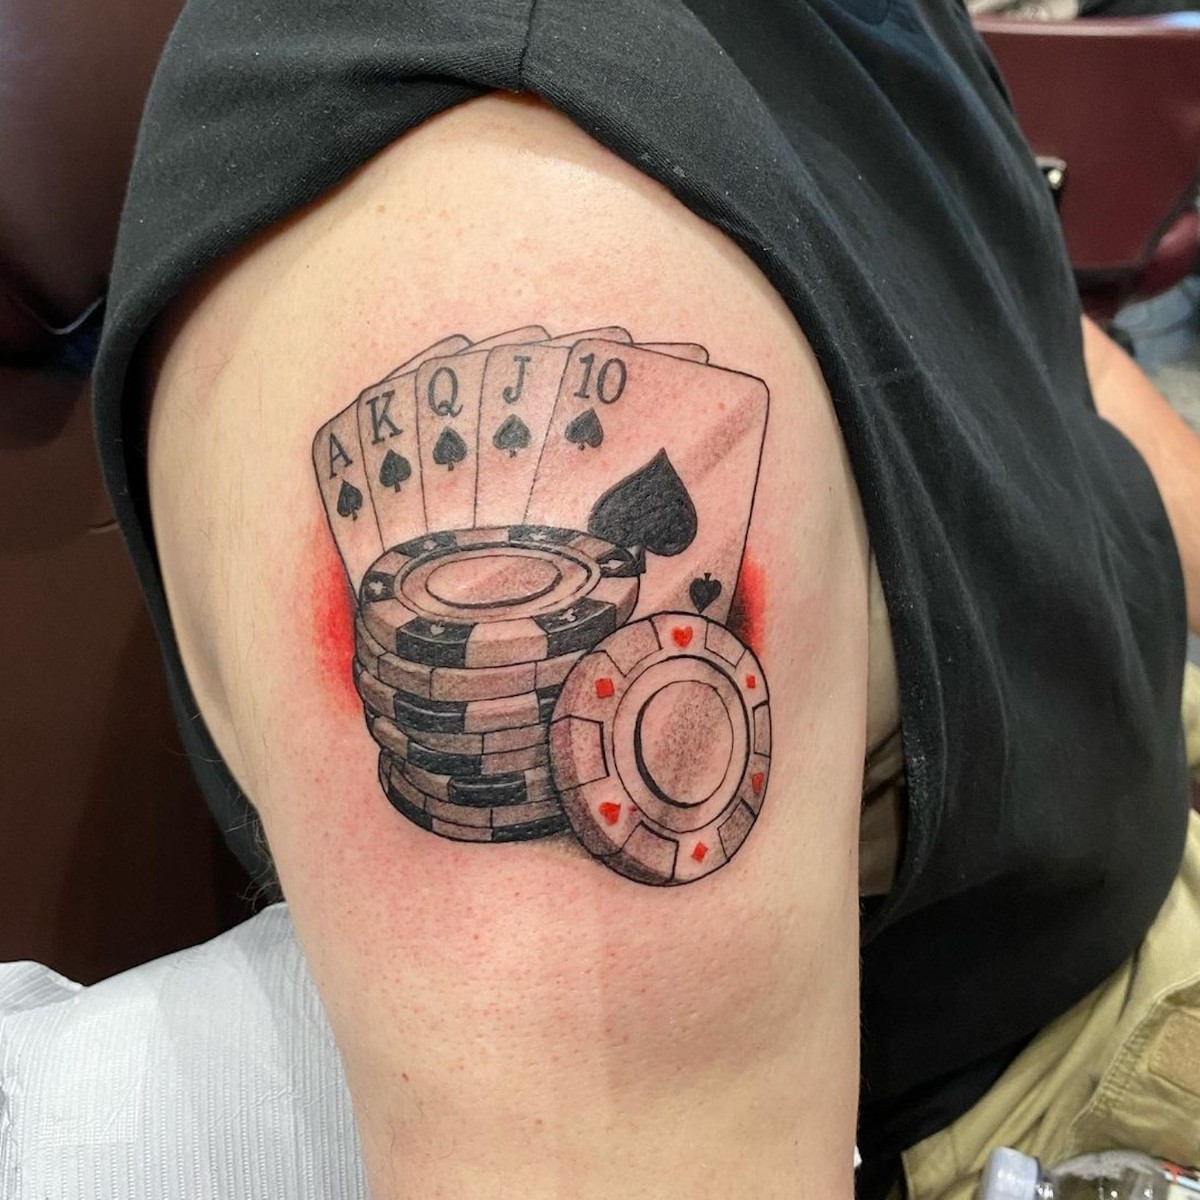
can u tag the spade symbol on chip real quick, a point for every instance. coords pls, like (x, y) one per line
(586, 430)
(650, 508)
(394, 470)
(704, 591)
(513, 435)
(349, 500)
(449, 448)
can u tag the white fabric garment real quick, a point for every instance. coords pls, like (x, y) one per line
(209, 1073)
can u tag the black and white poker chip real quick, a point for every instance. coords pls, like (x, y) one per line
(462, 764)
(660, 746)
(458, 683)
(416, 715)
(481, 791)
(520, 821)
(391, 737)
(497, 597)
(468, 766)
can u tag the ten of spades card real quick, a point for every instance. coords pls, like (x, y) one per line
(660, 453)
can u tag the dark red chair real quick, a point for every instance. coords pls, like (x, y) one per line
(107, 853)
(1112, 108)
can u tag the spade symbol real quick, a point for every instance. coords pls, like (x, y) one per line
(586, 430)
(704, 591)
(349, 500)
(394, 470)
(650, 508)
(449, 449)
(513, 435)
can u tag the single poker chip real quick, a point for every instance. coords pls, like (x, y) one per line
(522, 822)
(481, 791)
(416, 715)
(391, 737)
(497, 597)
(458, 683)
(661, 748)
(463, 766)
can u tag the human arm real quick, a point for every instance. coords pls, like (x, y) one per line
(519, 1017)
(1130, 401)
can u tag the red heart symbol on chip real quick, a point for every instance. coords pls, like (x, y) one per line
(756, 781)
(610, 811)
(682, 635)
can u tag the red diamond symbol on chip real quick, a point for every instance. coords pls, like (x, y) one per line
(756, 781)
(700, 851)
(752, 681)
(604, 687)
(610, 811)
(682, 635)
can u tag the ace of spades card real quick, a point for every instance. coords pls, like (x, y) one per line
(659, 453)
(342, 477)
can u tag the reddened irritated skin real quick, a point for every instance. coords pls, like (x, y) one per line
(519, 1018)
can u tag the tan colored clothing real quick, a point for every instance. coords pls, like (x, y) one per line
(1120, 1069)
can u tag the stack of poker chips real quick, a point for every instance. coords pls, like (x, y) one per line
(463, 642)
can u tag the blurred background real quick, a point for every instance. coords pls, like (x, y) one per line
(108, 856)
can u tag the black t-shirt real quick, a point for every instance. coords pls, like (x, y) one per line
(863, 154)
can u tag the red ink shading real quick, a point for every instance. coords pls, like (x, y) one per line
(604, 688)
(332, 608)
(748, 609)
(756, 781)
(700, 851)
(751, 681)
(610, 811)
(682, 636)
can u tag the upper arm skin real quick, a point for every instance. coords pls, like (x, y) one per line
(517, 1019)
(1126, 397)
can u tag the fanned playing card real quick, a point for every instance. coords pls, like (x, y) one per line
(690, 350)
(527, 333)
(659, 453)
(341, 475)
(387, 431)
(610, 333)
(520, 387)
(448, 345)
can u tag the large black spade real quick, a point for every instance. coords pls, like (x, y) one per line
(650, 508)
(449, 448)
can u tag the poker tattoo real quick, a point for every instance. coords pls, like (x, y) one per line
(544, 535)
